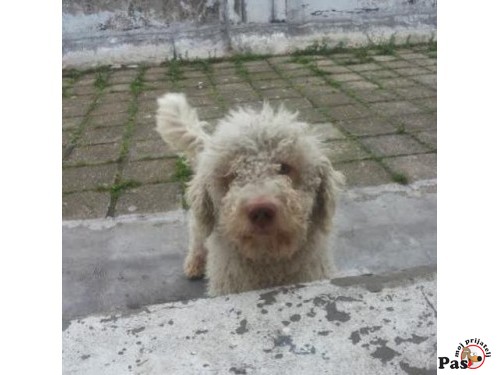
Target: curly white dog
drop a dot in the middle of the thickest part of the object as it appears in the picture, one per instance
(262, 196)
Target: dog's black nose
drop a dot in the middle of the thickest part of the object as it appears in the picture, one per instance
(261, 213)
(479, 358)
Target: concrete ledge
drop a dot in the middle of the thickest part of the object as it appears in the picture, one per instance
(343, 326)
(132, 261)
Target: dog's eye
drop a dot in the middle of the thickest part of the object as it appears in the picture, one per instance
(285, 169)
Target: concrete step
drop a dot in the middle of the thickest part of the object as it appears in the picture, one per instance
(123, 265)
(343, 326)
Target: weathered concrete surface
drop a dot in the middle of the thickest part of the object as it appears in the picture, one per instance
(339, 326)
(127, 263)
(110, 32)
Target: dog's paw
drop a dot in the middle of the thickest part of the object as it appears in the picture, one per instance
(194, 266)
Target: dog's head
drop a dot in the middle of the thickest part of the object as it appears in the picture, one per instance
(265, 182)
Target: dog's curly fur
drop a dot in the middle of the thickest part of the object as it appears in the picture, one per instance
(262, 196)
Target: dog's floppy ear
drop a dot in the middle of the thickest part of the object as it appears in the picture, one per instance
(331, 183)
(201, 204)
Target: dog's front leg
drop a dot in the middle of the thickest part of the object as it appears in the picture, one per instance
(196, 258)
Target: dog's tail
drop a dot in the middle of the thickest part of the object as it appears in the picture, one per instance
(179, 126)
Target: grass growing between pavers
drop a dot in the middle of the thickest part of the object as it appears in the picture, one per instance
(100, 83)
(312, 58)
(183, 173)
(310, 63)
(120, 185)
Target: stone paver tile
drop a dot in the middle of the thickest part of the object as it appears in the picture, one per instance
(88, 177)
(239, 97)
(367, 126)
(428, 103)
(345, 150)
(165, 86)
(150, 149)
(349, 111)
(150, 171)
(84, 90)
(365, 67)
(145, 130)
(376, 75)
(415, 70)
(415, 167)
(117, 97)
(227, 79)
(292, 103)
(324, 62)
(307, 81)
(287, 66)
(414, 92)
(417, 122)
(145, 117)
(373, 96)
(296, 73)
(428, 79)
(384, 58)
(75, 110)
(201, 101)
(155, 73)
(260, 76)
(335, 69)
(427, 63)
(327, 131)
(345, 77)
(233, 88)
(192, 83)
(209, 113)
(388, 83)
(204, 90)
(359, 85)
(78, 101)
(94, 154)
(122, 76)
(431, 68)
(151, 95)
(105, 109)
(119, 87)
(111, 119)
(85, 205)
(395, 108)
(395, 144)
(428, 137)
(86, 80)
(312, 115)
(364, 173)
(278, 60)
(271, 84)
(222, 65)
(280, 93)
(147, 106)
(150, 199)
(325, 99)
(411, 56)
(71, 122)
(66, 137)
(257, 66)
(397, 64)
(111, 134)
(194, 73)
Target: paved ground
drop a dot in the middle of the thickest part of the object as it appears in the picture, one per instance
(377, 107)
